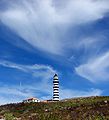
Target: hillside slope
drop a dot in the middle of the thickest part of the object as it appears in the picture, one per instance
(90, 108)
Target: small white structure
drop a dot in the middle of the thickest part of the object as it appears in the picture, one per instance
(29, 100)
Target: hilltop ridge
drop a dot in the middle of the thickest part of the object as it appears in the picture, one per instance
(83, 108)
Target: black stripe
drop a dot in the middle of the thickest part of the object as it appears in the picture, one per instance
(55, 81)
(56, 95)
(55, 86)
(56, 89)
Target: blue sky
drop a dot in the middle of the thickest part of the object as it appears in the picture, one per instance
(39, 38)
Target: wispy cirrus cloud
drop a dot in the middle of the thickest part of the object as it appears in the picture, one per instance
(37, 70)
(68, 93)
(95, 69)
(42, 89)
(18, 93)
(42, 74)
(44, 23)
(41, 86)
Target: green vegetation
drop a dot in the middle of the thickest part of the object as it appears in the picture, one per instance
(9, 116)
(90, 108)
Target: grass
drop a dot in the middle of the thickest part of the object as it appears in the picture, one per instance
(90, 108)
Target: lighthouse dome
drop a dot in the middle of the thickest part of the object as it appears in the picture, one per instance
(55, 77)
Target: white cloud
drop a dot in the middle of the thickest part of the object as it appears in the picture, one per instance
(43, 75)
(37, 70)
(96, 69)
(13, 91)
(42, 89)
(68, 93)
(12, 94)
(19, 93)
(71, 93)
(43, 23)
(7, 100)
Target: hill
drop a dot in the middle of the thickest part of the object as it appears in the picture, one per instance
(89, 108)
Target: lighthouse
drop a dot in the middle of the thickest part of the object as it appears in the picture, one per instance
(55, 88)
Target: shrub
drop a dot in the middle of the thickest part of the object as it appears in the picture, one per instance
(9, 116)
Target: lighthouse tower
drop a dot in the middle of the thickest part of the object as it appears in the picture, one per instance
(55, 88)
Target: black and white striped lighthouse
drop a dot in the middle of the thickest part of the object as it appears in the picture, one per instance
(55, 88)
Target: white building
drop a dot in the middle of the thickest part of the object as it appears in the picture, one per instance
(29, 100)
